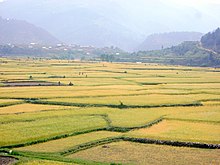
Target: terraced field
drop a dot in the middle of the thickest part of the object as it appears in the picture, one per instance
(146, 154)
(99, 113)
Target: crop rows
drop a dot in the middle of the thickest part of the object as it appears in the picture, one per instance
(108, 105)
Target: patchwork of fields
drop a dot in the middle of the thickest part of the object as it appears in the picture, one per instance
(69, 112)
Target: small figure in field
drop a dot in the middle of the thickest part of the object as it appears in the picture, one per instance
(121, 103)
(59, 83)
(70, 84)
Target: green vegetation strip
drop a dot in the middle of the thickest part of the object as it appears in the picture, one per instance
(173, 143)
(121, 106)
(51, 138)
(126, 129)
(46, 156)
(11, 103)
(91, 144)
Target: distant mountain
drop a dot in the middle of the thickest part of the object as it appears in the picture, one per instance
(211, 40)
(21, 32)
(165, 40)
(119, 23)
(88, 27)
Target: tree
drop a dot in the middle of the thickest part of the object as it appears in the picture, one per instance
(106, 57)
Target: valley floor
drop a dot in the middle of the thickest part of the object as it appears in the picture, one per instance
(68, 112)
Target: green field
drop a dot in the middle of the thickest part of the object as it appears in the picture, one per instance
(70, 142)
(108, 102)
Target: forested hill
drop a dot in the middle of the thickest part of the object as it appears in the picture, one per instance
(192, 53)
(212, 40)
(165, 40)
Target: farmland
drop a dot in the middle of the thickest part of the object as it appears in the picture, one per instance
(71, 112)
(133, 153)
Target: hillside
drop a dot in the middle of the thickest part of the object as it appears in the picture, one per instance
(21, 32)
(212, 40)
(205, 52)
(165, 40)
(188, 53)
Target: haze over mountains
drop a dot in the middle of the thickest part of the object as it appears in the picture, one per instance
(121, 23)
(165, 40)
(21, 32)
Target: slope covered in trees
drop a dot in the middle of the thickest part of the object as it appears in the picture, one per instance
(205, 52)
(188, 53)
(212, 40)
(165, 40)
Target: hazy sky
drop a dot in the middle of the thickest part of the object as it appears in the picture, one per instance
(194, 3)
(203, 13)
(125, 20)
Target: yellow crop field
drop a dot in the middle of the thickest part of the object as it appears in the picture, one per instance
(174, 80)
(197, 86)
(85, 81)
(24, 108)
(151, 100)
(44, 162)
(82, 122)
(202, 113)
(68, 91)
(212, 103)
(9, 101)
(181, 131)
(133, 153)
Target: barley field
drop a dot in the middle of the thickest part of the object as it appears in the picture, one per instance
(71, 112)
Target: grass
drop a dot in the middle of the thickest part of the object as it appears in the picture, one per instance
(134, 117)
(181, 131)
(69, 142)
(46, 128)
(135, 153)
(43, 114)
(124, 117)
